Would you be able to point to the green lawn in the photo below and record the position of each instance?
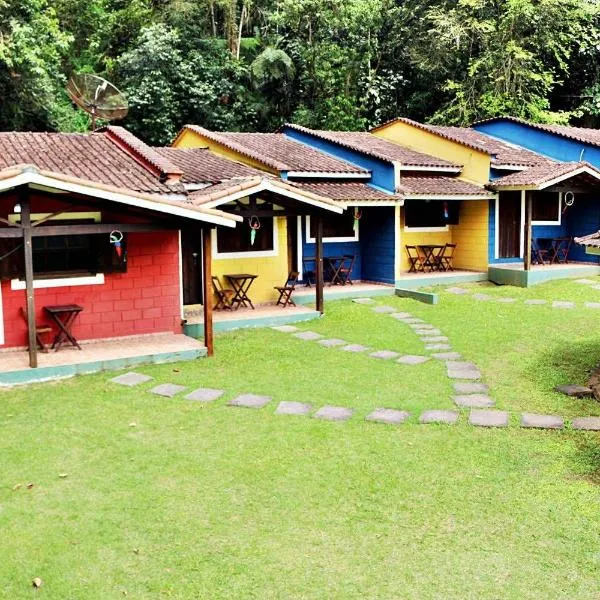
(164, 498)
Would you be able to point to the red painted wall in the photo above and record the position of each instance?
(146, 299)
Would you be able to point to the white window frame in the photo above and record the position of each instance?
(559, 221)
(427, 229)
(69, 280)
(347, 238)
(250, 254)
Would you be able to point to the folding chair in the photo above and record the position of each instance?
(224, 295)
(40, 331)
(446, 258)
(562, 250)
(345, 271)
(539, 254)
(286, 291)
(414, 258)
(308, 272)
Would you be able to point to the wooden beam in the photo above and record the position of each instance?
(527, 239)
(28, 251)
(207, 290)
(87, 229)
(319, 264)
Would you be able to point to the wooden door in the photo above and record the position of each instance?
(191, 258)
(509, 225)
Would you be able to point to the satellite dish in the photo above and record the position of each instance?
(98, 97)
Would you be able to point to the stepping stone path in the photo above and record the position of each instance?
(385, 354)
(586, 281)
(334, 413)
(205, 395)
(457, 290)
(592, 304)
(506, 300)
(293, 408)
(411, 359)
(410, 320)
(488, 418)
(439, 416)
(332, 342)
(481, 296)
(168, 390)
(427, 332)
(438, 347)
(354, 348)
(363, 301)
(308, 335)
(384, 309)
(541, 421)
(575, 391)
(587, 423)
(406, 317)
(463, 374)
(447, 355)
(250, 401)
(533, 301)
(473, 401)
(285, 328)
(131, 379)
(561, 304)
(435, 338)
(390, 416)
(469, 387)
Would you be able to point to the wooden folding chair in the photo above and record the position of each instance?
(224, 295)
(286, 291)
(539, 254)
(414, 258)
(446, 258)
(562, 250)
(345, 271)
(40, 331)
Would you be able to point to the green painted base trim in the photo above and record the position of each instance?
(343, 294)
(425, 297)
(418, 282)
(41, 374)
(196, 330)
(520, 278)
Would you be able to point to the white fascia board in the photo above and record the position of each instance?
(574, 173)
(34, 179)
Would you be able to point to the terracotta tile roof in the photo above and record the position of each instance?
(585, 135)
(350, 191)
(536, 177)
(439, 186)
(592, 239)
(371, 145)
(92, 157)
(200, 165)
(279, 152)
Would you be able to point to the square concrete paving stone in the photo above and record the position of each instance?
(596, 287)
(461, 364)
(586, 423)
(592, 304)
(418, 324)
(412, 359)
(384, 354)
(563, 304)
(131, 379)
(481, 296)
(293, 408)
(334, 413)
(408, 320)
(457, 290)
(541, 421)
(427, 332)
(470, 387)
(534, 301)
(384, 309)
(285, 328)
(463, 374)
(331, 342)
(438, 347)
(391, 416)
(439, 416)
(586, 281)
(354, 348)
(204, 395)
(506, 300)
(488, 418)
(363, 300)
(434, 339)
(473, 401)
(250, 401)
(401, 316)
(308, 335)
(168, 390)
(447, 356)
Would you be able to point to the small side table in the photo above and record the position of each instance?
(64, 316)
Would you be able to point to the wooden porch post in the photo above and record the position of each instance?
(319, 265)
(527, 244)
(28, 251)
(207, 290)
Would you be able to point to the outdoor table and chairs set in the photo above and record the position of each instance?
(551, 251)
(430, 257)
(63, 317)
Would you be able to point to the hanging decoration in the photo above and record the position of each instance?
(568, 200)
(357, 218)
(446, 211)
(254, 223)
(116, 237)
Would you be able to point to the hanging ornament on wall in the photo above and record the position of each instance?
(254, 223)
(357, 218)
(568, 200)
(446, 211)
(115, 238)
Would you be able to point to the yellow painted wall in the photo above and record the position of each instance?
(476, 164)
(470, 237)
(191, 139)
(271, 270)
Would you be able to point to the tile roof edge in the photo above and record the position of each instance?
(235, 146)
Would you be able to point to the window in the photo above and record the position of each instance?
(336, 228)
(546, 209)
(231, 242)
(430, 214)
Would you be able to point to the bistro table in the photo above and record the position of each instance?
(241, 282)
(552, 250)
(431, 256)
(333, 264)
(64, 315)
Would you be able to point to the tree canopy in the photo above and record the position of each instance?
(339, 64)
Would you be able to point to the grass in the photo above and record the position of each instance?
(171, 499)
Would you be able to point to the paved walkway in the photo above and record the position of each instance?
(390, 416)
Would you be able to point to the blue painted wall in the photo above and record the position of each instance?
(548, 144)
(377, 244)
(382, 172)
